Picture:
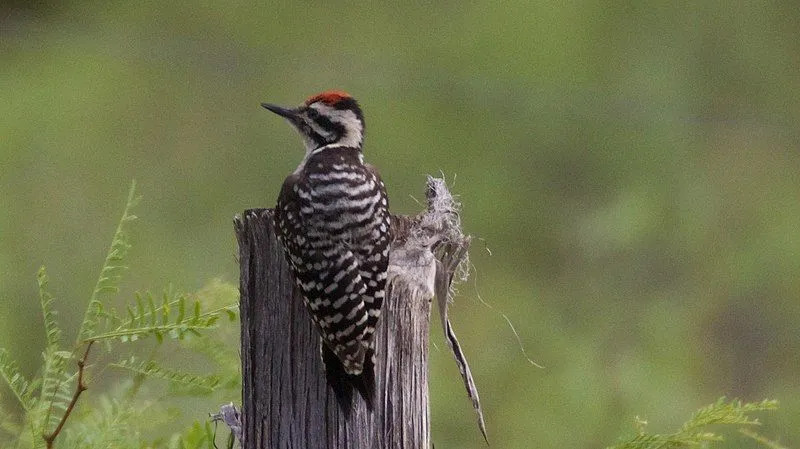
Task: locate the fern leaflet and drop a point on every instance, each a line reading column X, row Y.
column 727, row 412
column 110, row 273
column 106, row 425
column 152, row 369
column 52, row 331
column 144, row 317
column 691, row 433
column 56, row 393
column 15, row 380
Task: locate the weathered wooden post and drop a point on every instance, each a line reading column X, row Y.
column 286, row 402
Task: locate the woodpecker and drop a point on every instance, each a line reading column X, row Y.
column 332, row 218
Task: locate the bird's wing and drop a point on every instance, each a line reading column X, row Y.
column 326, row 272
column 374, row 257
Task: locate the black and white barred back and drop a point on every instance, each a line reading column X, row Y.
column 333, row 220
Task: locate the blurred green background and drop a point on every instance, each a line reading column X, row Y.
column 631, row 170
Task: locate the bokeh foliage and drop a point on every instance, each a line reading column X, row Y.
column 632, row 167
column 51, row 413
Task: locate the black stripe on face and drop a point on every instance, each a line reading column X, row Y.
column 304, row 127
column 336, row 130
column 309, row 131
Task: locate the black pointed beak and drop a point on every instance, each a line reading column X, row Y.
column 288, row 114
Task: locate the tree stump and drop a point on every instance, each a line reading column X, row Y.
column 286, row 402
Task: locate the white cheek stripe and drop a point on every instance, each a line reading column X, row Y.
column 354, row 131
column 353, row 136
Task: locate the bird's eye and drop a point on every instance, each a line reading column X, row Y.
column 312, row 113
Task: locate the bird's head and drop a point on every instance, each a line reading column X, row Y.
column 332, row 117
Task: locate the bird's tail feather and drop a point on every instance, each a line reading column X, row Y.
column 343, row 383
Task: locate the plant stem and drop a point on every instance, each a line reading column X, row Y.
column 80, row 387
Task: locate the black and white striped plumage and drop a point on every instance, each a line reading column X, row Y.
column 332, row 218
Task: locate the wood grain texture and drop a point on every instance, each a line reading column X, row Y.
column 286, row 402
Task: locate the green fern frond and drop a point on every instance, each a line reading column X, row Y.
column 199, row 435
column 692, row 434
column 36, row 440
column 166, row 317
column 152, row 369
column 110, row 273
column 218, row 293
column 110, row 423
column 216, row 346
column 226, row 362
column 727, row 412
column 55, row 394
column 52, row 331
column 15, row 380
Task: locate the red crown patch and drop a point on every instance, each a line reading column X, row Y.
column 329, row 97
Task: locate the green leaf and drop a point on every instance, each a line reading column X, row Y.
column 141, row 313
column 231, row 314
column 165, row 308
column 131, row 315
column 152, row 369
column 693, row 433
column 52, row 331
column 145, row 318
column 727, row 412
column 110, row 272
column 181, row 310
column 111, row 422
column 15, row 380
column 152, row 309
column 196, row 437
column 55, row 394
column 66, row 355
